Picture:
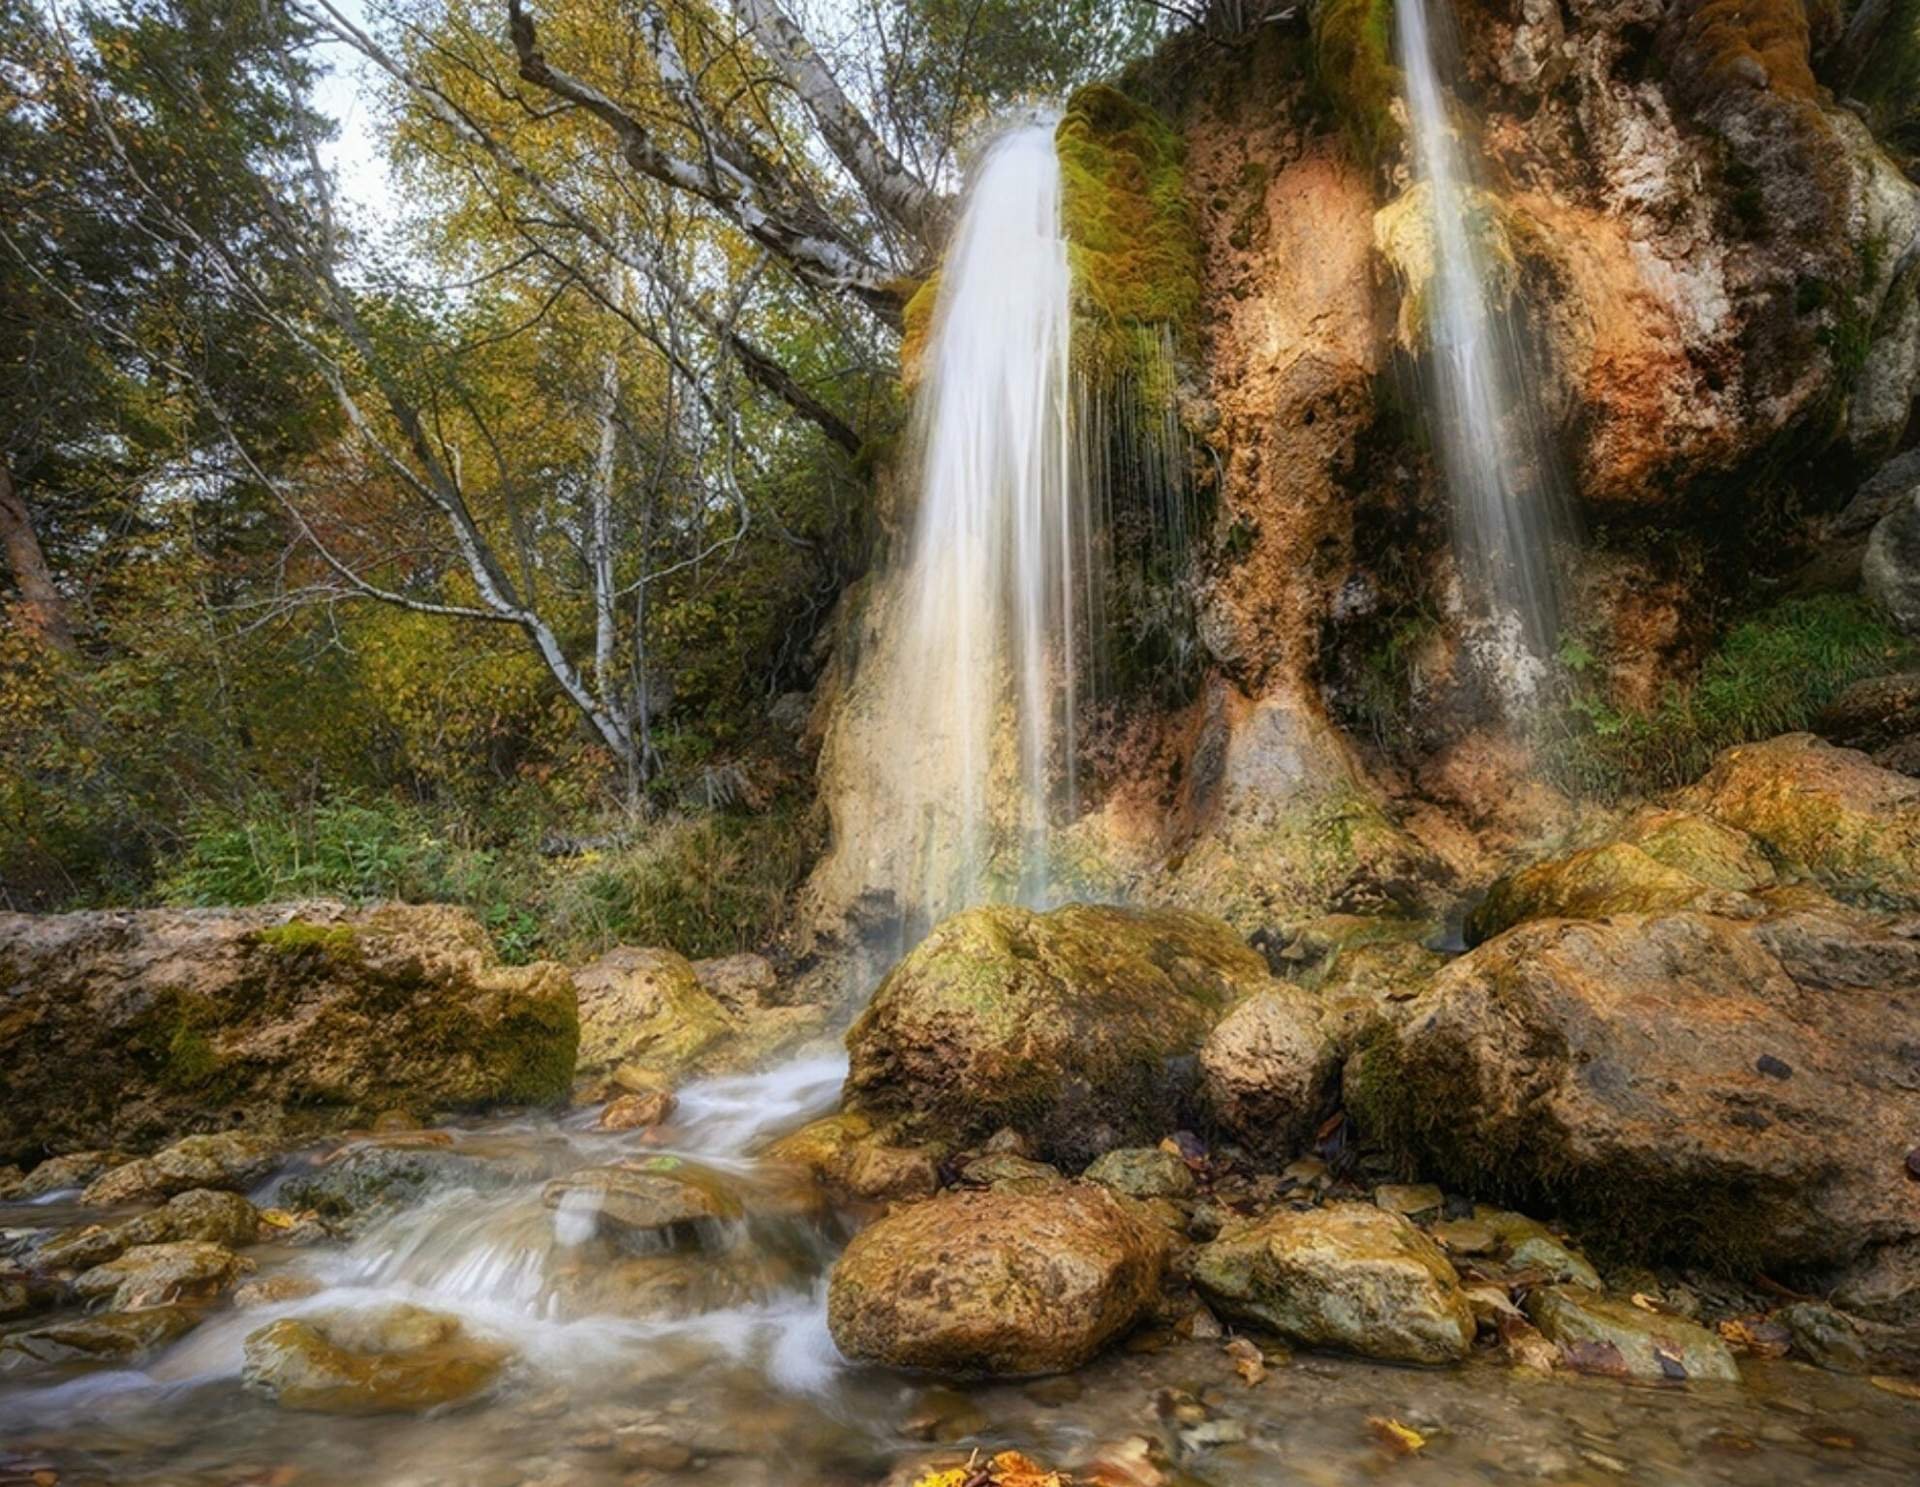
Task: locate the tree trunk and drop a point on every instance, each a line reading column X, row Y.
column 40, row 605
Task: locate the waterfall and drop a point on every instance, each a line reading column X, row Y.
column 983, row 680
column 1509, row 503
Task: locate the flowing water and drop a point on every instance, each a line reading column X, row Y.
column 1501, row 471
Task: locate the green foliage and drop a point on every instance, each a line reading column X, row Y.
column 1353, row 67
column 1771, row 674
column 1387, row 679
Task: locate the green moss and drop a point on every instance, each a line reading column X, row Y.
column 299, row 936
column 1354, row 70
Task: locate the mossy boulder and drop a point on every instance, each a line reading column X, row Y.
column 157, row 1274
column 996, row 1282
column 1077, row 1028
column 1601, row 1335
column 1270, row 1070
column 1614, row 878
column 1737, row 1092
column 202, row 1214
column 223, row 1161
column 1830, row 814
column 1350, row 1276
column 852, row 1158
column 644, row 1006
column 393, row 1359
column 131, row 1027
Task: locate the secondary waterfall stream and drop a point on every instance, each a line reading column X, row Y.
column 1500, row 470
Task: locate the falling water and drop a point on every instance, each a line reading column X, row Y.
column 985, row 678
column 1508, row 500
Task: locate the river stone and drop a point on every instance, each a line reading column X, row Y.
column 394, row 1359
column 1831, row 813
column 232, row 1160
column 1268, row 1072
column 373, row 1177
column 1349, row 1276
column 1076, row 1028
column 997, row 1283
column 149, row 1274
column 1606, row 1336
column 129, row 1026
column 74, row 1170
column 1614, row 878
column 647, row 1007
column 109, row 1337
column 217, row 1218
column 1529, row 1244
column 660, row 1198
column 1142, row 1172
column 848, row 1156
column 1685, row 1085
column 636, row 1112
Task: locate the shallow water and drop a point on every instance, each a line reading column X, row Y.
column 750, row 1389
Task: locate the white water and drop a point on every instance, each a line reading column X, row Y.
column 1499, row 466
column 981, row 688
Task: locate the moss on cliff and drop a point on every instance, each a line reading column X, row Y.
column 1354, row 70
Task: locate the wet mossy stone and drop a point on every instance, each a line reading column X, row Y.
column 1078, row 1029
column 365, row 1180
column 1608, row 1336
column 395, row 1359
column 107, row 1337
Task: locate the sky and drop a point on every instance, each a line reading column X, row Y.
column 355, row 155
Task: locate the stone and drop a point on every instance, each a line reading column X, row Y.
column 74, row 1170
column 1077, row 1028
column 276, row 1290
column 126, row 1027
column 1005, row 1171
column 1269, row 1071
column 230, row 1160
column 1632, row 1069
column 1465, row 1237
column 153, row 1274
column 1890, row 569
column 1601, row 1335
column 636, row 1112
column 368, row 1178
column 1530, row 1245
column 645, row 1007
column 738, row 982
column 996, row 1283
column 393, row 1359
column 200, row 1215
column 1349, row 1276
column 1598, row 883
column 108, row 1337
column 1142, row 1172
column 848, row 1156
column 1409, row 1200
column 660, row 1198
column 1879, row 715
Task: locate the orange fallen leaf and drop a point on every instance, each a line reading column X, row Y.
column 1402, row 1440
column 1248, row 1361
column 1905, row 1388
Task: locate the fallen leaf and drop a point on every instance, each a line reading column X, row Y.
column 1905, row 1388
column 1595, row 1357
column 1247, row 1361
column 1756, row 1335
column 1402, row 1440
column 1646, row 1302
column 1670, row 1363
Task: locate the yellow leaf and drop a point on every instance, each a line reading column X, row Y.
column 1402, row 1440
column 1905, row 1388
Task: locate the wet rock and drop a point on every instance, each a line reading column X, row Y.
column 1349, row 1276
column 110, row 1337
column 1269, row 1071
column 229, row 1160
column 1832, row 814
column 1142, row 1172
column 637, row 1112
column 1529, row 1245
column 1009, row 1173
column 1599, row 1335
column 1409, row 1200
column 849, row 1156
column 663, row 1197
column 646, row 1007
column 1837, row 1340
column 680, row 1284
column 395, row 1359
column 1620, row 1065
column 1076, row 1028
column 129, row 1026
column 1890, row 569
column 23, row 1292
column 373, row 1177
column 276, row 1289
column 74, row 1170
column 152, row 1274
column 214, row 1217
column 995, row 1283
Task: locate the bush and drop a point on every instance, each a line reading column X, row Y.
column 1771, row 674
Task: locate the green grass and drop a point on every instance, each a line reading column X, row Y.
column 1772, row 673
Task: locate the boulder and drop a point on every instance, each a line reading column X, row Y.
column 230, row 1160
column 848, row 1156
column 1004, row 1171
column 1616, row 877
column 394, row 1359
column 738, row 982
column 130, row 1026
column 74, row 1170
column 1142, row 1172
column 213, row 1217
column 1732, row 1091
column 156, row 1274
column 1598, row 1335
column 1890, row 570
column 109, row 1337
column 661, row 1198
column 996, row 1283
column 647, row 1007
column 636, row 1112
column 1076, row 1028
column 372, row 1177
column 1831, row 814
column 1269, row 1071
column 1350, row 1276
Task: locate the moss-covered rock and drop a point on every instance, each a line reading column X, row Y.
column 219, row 1218
column 1076, row 1028
column 1615, row 878
column 156, row 1274
column 1269, row 1070
column 646, row 1007
column 109, row 1337
column 395, row 1359
column 1607, row 1336
column 221, row 1161
column 368, row 1178
column 848, row 1155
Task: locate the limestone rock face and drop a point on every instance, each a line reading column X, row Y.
column 995, row 1282
column 395, row 1359
column 1690, row 1084
column 1076, row 1028
column 1349, row 1276
column 130, row 1026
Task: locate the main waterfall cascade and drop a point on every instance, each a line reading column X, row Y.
column 1508, row 499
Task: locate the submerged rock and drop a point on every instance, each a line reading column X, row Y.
column 995, row 1282
column 129, row 1026
column 110, row 1337
column 394, row 1359
column 636, row 1112
column 662, row 1198
column 1684, row 1084
column 1599, row 1335
column 232, row 1160
column 150, row 1274
column 216, row 1218
column 372, row 1177
column 1075, row 1028
column 1349, row 1276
